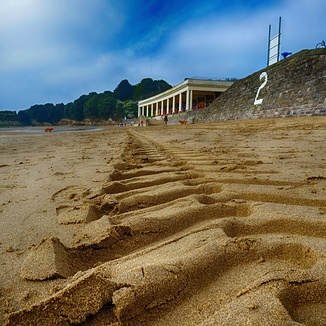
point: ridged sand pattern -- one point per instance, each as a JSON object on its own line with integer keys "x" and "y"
{"x": 217, "y": 224}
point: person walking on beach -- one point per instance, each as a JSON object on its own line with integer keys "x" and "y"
{"x": 165, "y": 121}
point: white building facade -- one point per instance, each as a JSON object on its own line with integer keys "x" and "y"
{"x": 191, "y": 94}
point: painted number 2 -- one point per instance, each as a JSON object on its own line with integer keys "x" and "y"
{"x": 262, "y": 76}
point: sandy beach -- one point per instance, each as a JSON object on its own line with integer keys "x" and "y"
{"x": 206, "y": 224}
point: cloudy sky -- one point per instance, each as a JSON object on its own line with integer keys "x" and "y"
{"x": 53, "y": 51}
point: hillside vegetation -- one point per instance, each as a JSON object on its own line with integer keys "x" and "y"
{"x": 116, "y": 105}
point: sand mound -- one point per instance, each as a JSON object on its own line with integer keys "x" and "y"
{"x": 70, "y": 305}
{"x": 77, "y": 214}
{"x": 48, "y": 260}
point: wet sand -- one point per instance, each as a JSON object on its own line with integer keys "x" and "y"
{"x": 206, "y": 224}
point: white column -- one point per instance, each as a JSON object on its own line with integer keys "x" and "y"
{"x": 146, "y": 111}
{"x": 152, "y": 109}
{"x": 173, "y": 104}
{"x": 187, "y": 100}
{"x": 167, "y": 106}
{"x": 190, "y": 99}
{"x": 156, "y": 108}
{"x": 139, "y": 110}
{"x": 180, "y": 102}
{"x": 162, "y": 107}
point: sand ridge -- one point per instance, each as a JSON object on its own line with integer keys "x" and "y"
{"x": 208, "y": 224}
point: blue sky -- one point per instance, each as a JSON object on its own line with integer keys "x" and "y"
{"x": 53, "y": 51}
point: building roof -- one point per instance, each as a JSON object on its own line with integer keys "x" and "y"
{"x": 190, "y": 84}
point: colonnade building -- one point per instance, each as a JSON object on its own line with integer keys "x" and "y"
{"x": 191, "y": 94}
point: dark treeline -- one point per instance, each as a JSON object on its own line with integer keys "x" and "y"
{"x": 116, "y": 105}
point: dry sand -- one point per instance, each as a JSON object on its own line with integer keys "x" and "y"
{"x": 208, "y": 224}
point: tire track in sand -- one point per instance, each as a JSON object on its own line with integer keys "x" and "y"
{"x": 175, "y": 238}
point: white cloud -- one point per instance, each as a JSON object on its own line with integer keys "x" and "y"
{"x": 56, "y": 50}
{"x": 235, "y": 45}
{"x": 303, "y": 24}
{"x": 218, "y": 48}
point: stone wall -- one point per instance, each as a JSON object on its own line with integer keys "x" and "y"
{"x": 295, "y": 86}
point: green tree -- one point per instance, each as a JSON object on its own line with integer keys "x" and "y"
{"x": 68, "y": 111}
{"x": 78, "y": 108}
{"x": 56, "y": 113}
{"x": 23, "y": 118}
{"x": 106, "y": 106}
{"x": 91, "y": 106}
{"x": 119, "y": 111}
{"x": 161, "y": 86}
{"x": 41, "y": 112}
{"x": 144, "y": 88}
{"x": 149, "y": 87}
{"x": 117, "y": 105}
{"x": 124, "y": 91}
{"x": 8, "y": 116}
{"x": 130, "y": 109}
